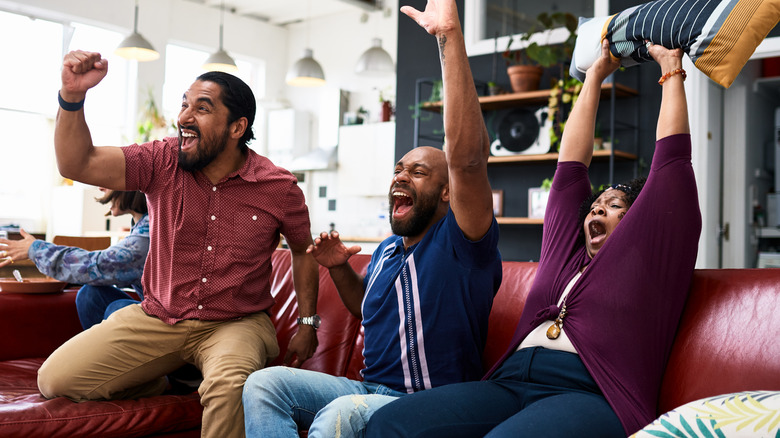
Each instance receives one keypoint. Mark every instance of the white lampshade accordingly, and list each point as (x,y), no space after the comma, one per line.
(220,61)
(135,46)
(306,72)
(375,61)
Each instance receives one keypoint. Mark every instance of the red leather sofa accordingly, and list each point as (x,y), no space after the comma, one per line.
(727,342)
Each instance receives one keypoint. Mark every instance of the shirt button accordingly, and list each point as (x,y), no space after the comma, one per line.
(200,307)
(213,217)
(203,280)
(209,247)
(254,218)
(214,189)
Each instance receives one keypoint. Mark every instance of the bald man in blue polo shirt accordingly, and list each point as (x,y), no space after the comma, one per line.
(429,288)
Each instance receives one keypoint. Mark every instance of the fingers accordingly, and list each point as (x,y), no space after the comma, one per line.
(80,61)
(287,357)
(411,12)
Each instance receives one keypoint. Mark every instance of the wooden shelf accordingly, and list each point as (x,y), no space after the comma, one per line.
(553,156)
(519,221)
(511,100)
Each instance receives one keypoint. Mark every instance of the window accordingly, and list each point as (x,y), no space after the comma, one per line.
(28,169)
(488,23)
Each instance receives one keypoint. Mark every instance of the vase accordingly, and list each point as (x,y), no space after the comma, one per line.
(524,77)
(387,110)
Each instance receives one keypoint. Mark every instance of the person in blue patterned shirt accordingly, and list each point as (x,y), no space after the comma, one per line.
(102,272)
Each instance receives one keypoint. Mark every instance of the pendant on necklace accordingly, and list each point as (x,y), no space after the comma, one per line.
(554,330)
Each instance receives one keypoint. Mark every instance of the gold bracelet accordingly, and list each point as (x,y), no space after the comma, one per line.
(672,73)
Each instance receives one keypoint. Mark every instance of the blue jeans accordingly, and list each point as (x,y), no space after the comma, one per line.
(535,393)
(96,303)
(280,400)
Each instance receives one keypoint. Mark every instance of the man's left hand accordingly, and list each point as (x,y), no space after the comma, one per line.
(301,347)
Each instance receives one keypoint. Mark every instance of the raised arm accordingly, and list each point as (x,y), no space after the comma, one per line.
(77,157)
(673,118)
(331,253)
(467,145)
(577,140)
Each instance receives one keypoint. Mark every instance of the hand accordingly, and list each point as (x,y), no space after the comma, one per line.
(605,65)
(81,71)
(667,59)
(15,250)
(439,16)
(302,346)
(329,251)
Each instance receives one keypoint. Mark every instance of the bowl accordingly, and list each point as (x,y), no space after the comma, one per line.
(32,285)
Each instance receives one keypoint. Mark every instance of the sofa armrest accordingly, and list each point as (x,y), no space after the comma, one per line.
(34,325)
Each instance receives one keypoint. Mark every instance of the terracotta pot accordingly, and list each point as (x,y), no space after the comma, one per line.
(524,77)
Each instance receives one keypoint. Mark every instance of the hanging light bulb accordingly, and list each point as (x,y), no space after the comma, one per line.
(306,72)
(135,46)
(375,61)
(220,60)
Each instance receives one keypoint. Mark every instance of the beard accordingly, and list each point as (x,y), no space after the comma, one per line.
(207,150)
(423,211)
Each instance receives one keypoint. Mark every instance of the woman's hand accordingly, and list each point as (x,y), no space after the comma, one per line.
(15,250)
(667,59)
(605,65)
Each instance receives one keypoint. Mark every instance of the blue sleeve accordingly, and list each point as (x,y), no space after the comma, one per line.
(120,265)
(476,253)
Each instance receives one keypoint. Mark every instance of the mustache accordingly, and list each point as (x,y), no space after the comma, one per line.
(192,128)
(401,186)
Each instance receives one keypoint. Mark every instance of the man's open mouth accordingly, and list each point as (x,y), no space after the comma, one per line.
(189,137)
(402,204)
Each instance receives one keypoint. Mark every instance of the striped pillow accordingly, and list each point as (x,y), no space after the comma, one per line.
(718,35)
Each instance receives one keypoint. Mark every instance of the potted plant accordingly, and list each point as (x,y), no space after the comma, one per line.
(525,65)
(563,96)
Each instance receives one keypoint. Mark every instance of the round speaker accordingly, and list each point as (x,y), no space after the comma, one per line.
(518,129)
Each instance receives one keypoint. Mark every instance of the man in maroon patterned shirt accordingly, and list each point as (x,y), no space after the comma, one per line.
(217,209)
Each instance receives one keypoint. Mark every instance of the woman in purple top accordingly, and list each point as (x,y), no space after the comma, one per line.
(589,352)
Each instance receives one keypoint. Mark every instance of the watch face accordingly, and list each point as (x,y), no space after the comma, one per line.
(315,321)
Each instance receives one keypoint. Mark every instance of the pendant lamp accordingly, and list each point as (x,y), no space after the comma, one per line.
(220,60)
(135,46)
(375,61)
(306,72)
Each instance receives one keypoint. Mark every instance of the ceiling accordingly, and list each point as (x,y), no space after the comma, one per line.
(290,11)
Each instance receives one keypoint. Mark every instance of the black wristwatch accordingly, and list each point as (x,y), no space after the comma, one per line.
(313,321)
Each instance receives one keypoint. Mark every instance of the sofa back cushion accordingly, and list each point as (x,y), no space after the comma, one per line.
(507,307)
(339,329)
(34,325)
(728,337)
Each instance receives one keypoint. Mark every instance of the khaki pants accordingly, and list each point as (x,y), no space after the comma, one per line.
(128,355)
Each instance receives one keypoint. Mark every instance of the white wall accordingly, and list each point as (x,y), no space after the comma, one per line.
(338,40)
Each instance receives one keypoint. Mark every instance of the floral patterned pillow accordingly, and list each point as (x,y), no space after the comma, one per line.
(742,414)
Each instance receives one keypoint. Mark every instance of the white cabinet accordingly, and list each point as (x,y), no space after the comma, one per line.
(366,156)
(288,135)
